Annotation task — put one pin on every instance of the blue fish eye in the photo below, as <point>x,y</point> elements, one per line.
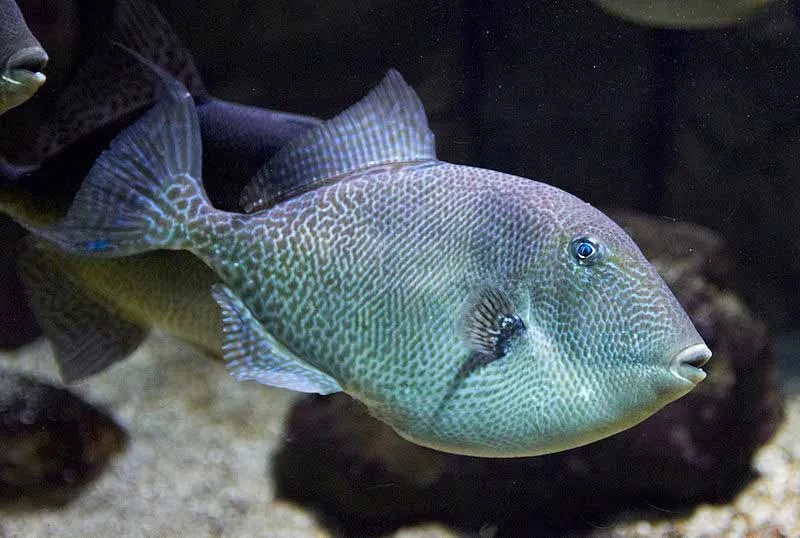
<point>585,250</point>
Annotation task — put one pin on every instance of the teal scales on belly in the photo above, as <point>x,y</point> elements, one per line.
<point>475,312</point>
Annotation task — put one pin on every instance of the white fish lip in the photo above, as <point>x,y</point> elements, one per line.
<point>687,364</point>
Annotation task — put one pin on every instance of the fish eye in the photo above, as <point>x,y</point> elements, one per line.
<point>585,250</point>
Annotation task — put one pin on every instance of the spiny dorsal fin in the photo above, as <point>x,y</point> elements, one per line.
<point>386,126</point>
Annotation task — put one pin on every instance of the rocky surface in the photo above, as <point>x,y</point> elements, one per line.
<point>197,456</point>
<point>768,507</point>
<point>698,449</point>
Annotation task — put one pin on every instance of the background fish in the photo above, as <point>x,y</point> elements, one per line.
<point>110,90</point>
<point>96,312</point>
<point>169,291</point>
<point>106,85</point>
<point>112,302</point>
<point>473,311</point>
<point>693,14</point>
<point>22,58</point>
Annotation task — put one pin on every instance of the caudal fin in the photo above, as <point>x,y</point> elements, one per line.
<point>138,193</point>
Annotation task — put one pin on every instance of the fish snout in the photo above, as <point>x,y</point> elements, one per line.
<point>32,59</point>
<point>687,364</point>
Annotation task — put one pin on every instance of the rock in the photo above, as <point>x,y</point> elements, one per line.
<point>53,443</point>
<point>698,449</point>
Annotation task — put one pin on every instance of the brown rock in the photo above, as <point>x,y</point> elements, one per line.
<point>53,443</point>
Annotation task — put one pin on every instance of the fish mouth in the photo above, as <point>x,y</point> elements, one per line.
<point>687,363</point>
<point>25,66</point>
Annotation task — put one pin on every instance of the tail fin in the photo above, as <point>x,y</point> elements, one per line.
<point>139,192</point>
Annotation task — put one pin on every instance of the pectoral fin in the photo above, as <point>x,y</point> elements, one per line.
<point>253,354</point>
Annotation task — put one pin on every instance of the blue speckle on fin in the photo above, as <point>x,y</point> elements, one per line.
<point>253,354</point>
<point>96,245</point>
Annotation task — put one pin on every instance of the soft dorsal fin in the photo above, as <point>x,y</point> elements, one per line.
<point>386,126</point>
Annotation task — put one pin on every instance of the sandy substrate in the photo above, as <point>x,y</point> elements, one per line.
<point>201,443</point>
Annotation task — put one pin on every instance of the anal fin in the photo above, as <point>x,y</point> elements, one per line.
<point>253,354</point>
<point>87,336</point>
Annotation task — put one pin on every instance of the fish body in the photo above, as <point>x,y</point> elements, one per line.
<point>687,14</point>
<point>474,311</point>
<point>21,58</point>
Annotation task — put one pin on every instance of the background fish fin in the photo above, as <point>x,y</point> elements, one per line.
<point>26,207</point>
<point>237,139</point>
<point>386,126</point>
<point>140,26</point>
<point>112,85</point>
<point>87,335</point>
<point>253,354</point>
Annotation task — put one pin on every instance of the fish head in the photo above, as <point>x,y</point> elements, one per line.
<point>22,58</point>
<point>594,340</point>
<point>618,330</point>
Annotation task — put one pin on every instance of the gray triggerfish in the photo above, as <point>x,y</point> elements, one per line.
<point>21,58</point>
<point>473,311</point>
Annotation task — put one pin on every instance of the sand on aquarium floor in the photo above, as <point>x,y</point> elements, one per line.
<point>201,443</point>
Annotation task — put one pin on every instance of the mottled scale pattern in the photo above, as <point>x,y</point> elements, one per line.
<point>254,354</point>
<point>366,278</point>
